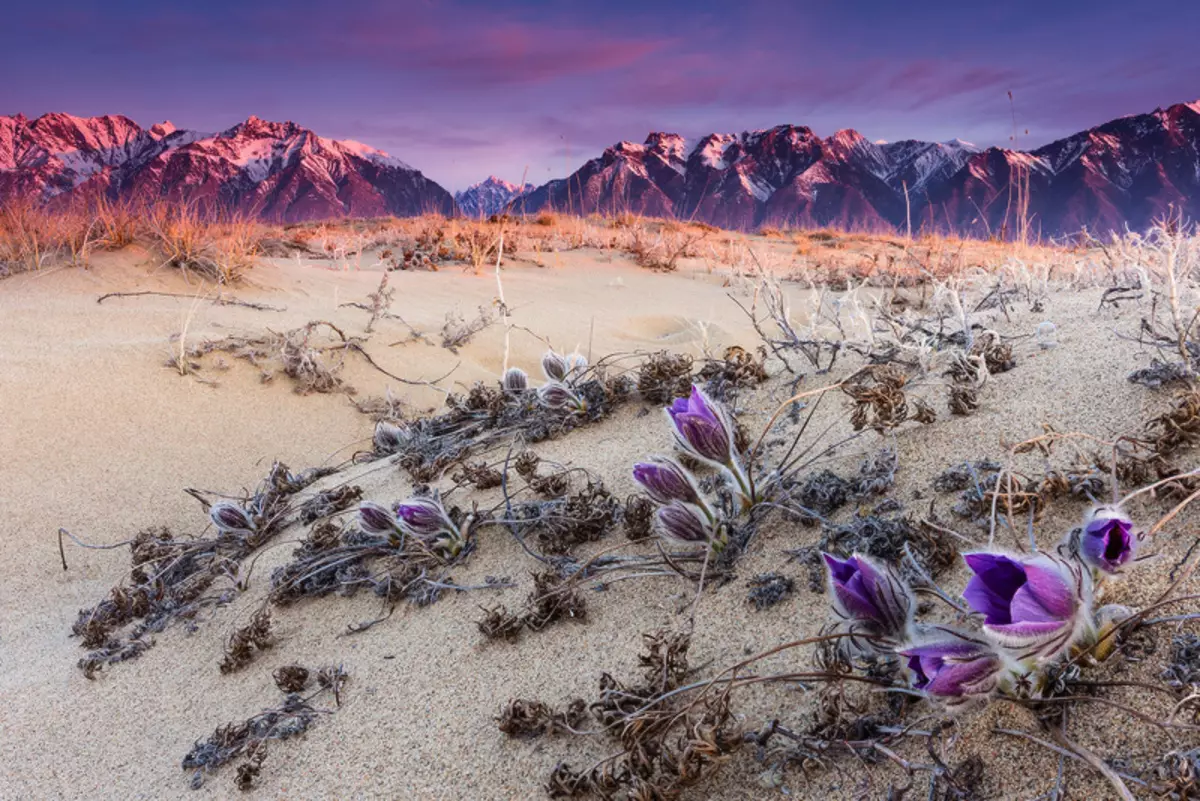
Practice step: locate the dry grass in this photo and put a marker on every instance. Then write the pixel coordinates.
(222, 248)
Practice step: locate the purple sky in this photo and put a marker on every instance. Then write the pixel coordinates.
(462, 89)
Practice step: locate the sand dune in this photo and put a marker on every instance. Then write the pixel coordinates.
(101, 438)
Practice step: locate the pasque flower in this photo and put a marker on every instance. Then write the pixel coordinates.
(702, 429)
(427, 520)
(1107, 542)
(687, 524)
(554, 366)
(953, 666)
(1032, 606)
(230, 518)
(871, 597)
(388, 438)
(666, 480)
(556, 395)
(516, 380)
(377, 520)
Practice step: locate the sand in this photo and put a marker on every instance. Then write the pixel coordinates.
(101, 438)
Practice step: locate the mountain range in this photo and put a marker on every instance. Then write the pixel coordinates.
(1122, 174)
(493, 196)
(277, 171)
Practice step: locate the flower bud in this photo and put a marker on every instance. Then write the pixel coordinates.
(683, 523)
(389, 438)
(871, 597)
(230, 518)
(665, 480)
(554, 366)
(377, 520)
(555, 395)
(516, 380)
(952, 666)
(701, 428)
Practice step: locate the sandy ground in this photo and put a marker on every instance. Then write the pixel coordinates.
(100, 438)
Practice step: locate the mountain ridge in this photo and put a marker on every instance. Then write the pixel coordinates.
(1121, 174)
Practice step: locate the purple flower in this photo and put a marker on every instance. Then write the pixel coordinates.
(229, 517)
(870, 596)
(423, 518)
(515, 380)
(555, 395)
(702, 428)
(1108, 541)
(683, 523)
(554, 366)
(427, 520)
(377, 520)
(577, 364)
(665, 480)
(953, 666)
(1031, 606)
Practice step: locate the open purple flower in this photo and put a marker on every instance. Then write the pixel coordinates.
(871, 596)
(1108, 541)
(1032, 606)
(230, 518)
(686, 524)
(701, 428)
(377, 520)
(665, 480)
(953, 666)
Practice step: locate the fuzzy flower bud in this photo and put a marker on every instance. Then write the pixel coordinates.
(230, 518)
(554, 366)
(388, 438)
(665, 480)
(871, 597)
(377, 520)
(701, 428)
(555, 395)
(516, 380)
(683, 523)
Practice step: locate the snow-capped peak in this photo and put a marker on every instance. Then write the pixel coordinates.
(372, 154)
(490, 196)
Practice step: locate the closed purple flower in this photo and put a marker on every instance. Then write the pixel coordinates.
(1108, 541)
(683, 523)
(665, 480)
(953, 666)
(870, 596)
(1031, 606)
(377, 520)
(701, 427)
(577, 365)
(554, 366)
(516, 380)
(423, 518)
(555, 395)
(230, 518)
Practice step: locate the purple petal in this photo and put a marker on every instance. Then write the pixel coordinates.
(665, 481)
(1047, 595)
(997, 579)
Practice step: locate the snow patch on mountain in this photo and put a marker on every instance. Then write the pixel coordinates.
(488, 197)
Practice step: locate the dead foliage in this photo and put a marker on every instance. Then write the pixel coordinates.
(769, 589)
(665, 376)
(248, 739)
(458, 330)
(878, 396)
(329, 502)
(173, 579)
(737, 369)
(291, 678)
(240, 649)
